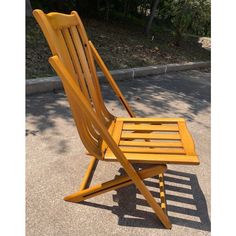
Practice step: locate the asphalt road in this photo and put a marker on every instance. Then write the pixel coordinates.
(56, 162)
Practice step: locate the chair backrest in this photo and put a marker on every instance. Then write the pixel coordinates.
(68, 40)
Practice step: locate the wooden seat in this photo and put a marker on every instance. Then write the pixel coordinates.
(153, 140)
(158, 141)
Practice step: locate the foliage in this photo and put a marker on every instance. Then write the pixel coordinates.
(182, 16)
(187, 16)
(54, 5)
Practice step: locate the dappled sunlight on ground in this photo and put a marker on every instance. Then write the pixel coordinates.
(56, 162)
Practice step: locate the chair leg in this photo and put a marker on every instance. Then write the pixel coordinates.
(162, 192)
(88, 172)
(153, 204)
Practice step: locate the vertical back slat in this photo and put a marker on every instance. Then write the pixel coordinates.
(66, 56)
(86, 71)
(84, 37)
(75, 60)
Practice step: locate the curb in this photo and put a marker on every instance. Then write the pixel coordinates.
(48, 84)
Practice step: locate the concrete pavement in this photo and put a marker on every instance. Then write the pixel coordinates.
(56, 162)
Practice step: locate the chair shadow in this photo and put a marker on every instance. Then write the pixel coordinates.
(133, 211)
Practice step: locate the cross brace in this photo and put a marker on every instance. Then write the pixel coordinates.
(118, 182)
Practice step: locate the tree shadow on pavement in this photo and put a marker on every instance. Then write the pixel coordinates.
(179, 94)
(183, 94)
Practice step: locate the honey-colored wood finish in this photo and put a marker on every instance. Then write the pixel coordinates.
(158, 141)
(111, 81)
(78, 101)
(162, 192)
(168, 142)
(118, 182)
(88, 173)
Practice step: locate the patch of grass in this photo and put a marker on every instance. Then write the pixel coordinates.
(120, 45)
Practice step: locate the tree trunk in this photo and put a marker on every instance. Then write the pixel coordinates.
(126, 7)
(107, 10)
(28, 8)
(151, 17)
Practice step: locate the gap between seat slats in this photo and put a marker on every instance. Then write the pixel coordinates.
(150, 136)
(150, 144)
(148, 127)
(153, 150)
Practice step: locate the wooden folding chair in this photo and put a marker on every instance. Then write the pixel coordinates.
(156, 141)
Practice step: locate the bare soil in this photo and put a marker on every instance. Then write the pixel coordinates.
(120, 46)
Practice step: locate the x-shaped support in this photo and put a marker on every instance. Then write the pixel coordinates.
(122, 181)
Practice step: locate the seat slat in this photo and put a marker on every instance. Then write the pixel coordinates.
(152, 120)
(66, 55)
(150, 127)
(157, 158)
(153, 150)
(150, 136)
(150, 144)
